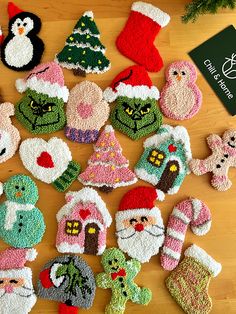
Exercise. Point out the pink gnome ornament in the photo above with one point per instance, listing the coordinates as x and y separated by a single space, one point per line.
9 135
223 156
16 288
191 212
82 223
107 167
180 97
86 112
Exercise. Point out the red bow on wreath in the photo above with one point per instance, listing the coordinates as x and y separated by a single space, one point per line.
120 273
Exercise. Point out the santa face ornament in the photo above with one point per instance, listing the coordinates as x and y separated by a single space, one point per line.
136 117
40 113
139 225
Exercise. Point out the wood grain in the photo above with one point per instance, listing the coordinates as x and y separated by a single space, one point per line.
174 42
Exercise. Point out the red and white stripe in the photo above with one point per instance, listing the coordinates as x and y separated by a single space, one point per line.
191 212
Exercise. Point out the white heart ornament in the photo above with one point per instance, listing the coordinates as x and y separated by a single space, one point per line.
45 160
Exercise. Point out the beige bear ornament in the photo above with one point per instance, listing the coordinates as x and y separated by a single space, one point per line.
9 135
86 113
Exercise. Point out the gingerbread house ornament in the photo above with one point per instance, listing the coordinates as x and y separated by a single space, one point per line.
83 223
164 162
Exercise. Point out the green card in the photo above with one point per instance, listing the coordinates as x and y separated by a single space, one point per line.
216 59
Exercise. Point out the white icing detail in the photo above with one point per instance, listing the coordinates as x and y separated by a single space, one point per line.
88 13
31 149
44 87
85 195
11 209
202 230
89 69
128 213
197 206
178 133
57 281
19 51
142 91
179 214
206 260
175 234
65 247
80 45
152 12
114 185
167 251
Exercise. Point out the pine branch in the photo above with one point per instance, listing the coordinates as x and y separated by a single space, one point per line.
198 7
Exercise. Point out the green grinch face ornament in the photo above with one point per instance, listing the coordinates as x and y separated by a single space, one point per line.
41 109
136 113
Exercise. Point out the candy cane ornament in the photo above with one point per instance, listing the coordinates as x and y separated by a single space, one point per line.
191 212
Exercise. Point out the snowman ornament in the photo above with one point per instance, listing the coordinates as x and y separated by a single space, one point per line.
22 49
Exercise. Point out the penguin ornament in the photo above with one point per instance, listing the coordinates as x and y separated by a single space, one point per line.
22 49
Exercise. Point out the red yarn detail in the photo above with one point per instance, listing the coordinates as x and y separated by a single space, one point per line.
140 197
67 309
44 277
84 213
45 160
136 41
172 148
13 10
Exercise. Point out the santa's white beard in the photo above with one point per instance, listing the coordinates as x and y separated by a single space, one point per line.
141 245
20 301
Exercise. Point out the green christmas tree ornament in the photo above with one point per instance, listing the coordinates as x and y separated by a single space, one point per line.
83 51
136 112
41 109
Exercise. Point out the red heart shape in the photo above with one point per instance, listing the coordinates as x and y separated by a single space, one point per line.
84 213
172 148
45 160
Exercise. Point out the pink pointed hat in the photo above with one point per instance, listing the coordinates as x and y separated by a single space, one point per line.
46 78
16 258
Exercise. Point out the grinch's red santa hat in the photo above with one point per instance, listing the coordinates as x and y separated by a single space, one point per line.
46 78
13 262
133 82
139 202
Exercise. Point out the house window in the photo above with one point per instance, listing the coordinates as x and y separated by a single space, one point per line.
73 227
156 157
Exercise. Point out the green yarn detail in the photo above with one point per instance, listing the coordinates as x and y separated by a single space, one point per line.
69 175
83 58
40 113
21 225
85 39
87 24
136 117
188 285
118 276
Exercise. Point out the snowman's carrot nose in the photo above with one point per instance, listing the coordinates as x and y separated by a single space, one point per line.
18 194
21 30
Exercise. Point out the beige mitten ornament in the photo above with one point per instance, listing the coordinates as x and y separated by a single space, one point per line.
188 283
86 113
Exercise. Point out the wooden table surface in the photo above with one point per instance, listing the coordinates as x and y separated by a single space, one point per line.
174 42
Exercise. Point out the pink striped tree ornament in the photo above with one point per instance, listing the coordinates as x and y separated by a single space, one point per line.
191 212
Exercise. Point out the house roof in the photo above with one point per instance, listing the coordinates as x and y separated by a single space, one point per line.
84 195
178 133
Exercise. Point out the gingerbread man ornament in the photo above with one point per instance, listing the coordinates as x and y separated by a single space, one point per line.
118 276
223 156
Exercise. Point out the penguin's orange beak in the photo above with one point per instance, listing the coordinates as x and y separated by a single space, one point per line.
21 30
18 194
179 77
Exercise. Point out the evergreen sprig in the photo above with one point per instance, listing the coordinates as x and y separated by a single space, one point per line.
198 7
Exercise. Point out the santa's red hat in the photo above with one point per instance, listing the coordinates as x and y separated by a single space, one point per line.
13 10
140 202
133 82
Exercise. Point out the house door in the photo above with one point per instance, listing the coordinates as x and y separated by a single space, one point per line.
169 175
91 238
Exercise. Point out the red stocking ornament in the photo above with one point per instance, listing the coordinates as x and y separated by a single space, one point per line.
136 39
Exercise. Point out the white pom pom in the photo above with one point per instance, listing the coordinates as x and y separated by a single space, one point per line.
109 95
1 188
21 85
31 255
89 14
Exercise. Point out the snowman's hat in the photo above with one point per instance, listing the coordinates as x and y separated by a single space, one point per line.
13 10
